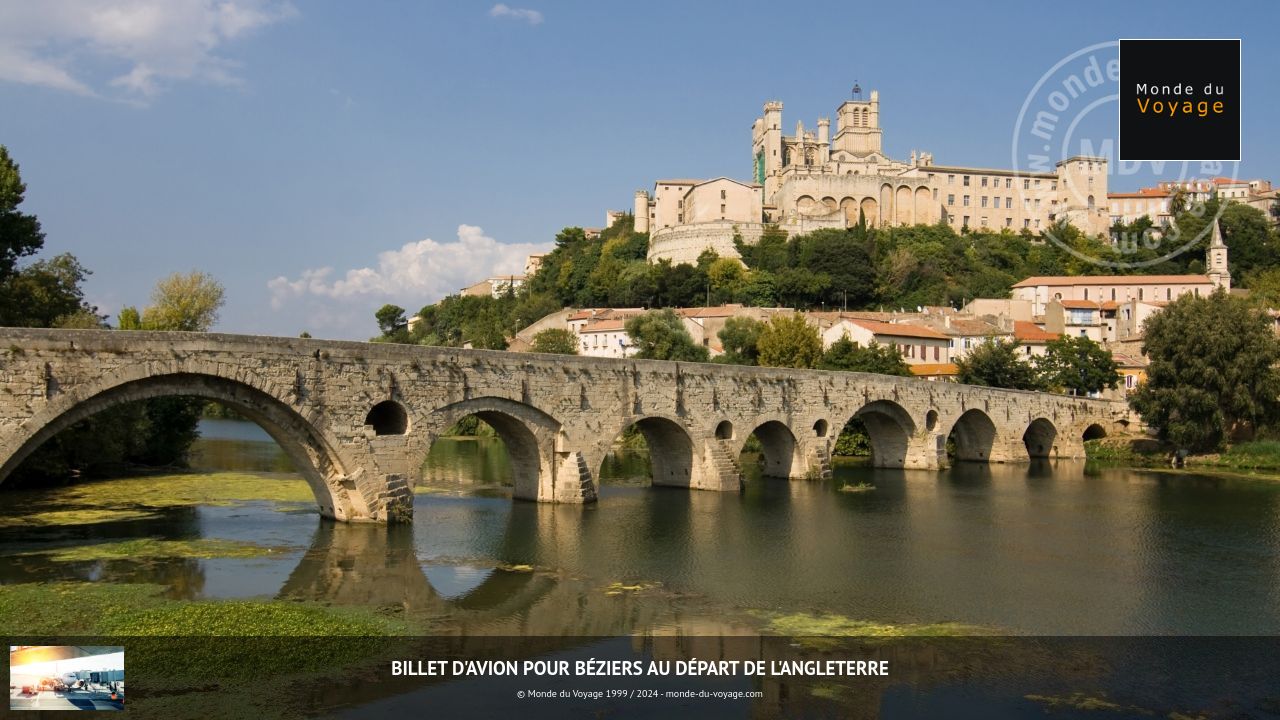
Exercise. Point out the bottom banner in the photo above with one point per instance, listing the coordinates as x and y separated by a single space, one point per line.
651 676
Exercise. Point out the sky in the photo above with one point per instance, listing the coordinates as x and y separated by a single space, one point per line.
324 158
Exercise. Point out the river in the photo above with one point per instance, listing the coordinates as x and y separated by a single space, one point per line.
1047 549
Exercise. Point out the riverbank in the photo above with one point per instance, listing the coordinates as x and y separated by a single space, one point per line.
1257 458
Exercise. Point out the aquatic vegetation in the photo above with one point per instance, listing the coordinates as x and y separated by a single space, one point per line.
152 548
136 498
137 610
617 588
831 625
1084 701
857 487
78 516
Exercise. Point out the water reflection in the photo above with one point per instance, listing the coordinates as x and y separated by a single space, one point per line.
1051 548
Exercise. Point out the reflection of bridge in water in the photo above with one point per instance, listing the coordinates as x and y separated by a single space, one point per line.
357 419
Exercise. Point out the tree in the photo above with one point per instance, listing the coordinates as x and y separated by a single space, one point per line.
20 234
1212 374
739 338
129 318
660 335
996 363
390 319
1078 365
556 341
789 341
41 293
184 301
845 354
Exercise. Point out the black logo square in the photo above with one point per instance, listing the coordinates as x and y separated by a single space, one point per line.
1180 100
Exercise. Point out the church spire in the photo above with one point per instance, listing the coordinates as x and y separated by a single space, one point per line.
1216 259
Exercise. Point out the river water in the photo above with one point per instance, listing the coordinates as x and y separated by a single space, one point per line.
1047 549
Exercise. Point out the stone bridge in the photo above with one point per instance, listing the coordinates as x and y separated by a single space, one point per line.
358 419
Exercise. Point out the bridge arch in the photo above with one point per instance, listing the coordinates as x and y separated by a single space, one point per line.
974 434
779 449
528 433
889 428
313 450
671 455
1039 437
1093 431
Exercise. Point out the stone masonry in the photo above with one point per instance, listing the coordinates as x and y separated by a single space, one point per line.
358 419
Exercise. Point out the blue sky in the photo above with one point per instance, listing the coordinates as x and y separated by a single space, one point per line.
410 148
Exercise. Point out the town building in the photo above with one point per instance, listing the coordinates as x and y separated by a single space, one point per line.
811 180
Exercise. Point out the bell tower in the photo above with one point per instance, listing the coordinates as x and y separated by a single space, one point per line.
1216 260
858 126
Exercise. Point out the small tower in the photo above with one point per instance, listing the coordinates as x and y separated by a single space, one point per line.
642 211
1216 259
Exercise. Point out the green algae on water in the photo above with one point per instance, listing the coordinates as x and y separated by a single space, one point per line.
831 625
145 548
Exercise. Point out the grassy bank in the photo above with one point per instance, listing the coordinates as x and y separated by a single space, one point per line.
1255 457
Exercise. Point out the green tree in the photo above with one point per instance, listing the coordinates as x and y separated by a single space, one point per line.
184 301
845 354
1077 365
20 234
1212 374
44 291
390 319
660 335
789 341
556 341
129 318
997 363
739 337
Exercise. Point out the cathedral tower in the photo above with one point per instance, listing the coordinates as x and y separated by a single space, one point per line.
1216 259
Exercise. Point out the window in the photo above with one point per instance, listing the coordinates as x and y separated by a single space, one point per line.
1037 203
1008 222
951 199
1086 293
722 194
1026 184
1113 294
984 201
984 182
935 193
1139 293
984 221
1037 184
966 201
966 181
1008 183
966 221
1130 382
1053 185
951 179
937 353
1026 223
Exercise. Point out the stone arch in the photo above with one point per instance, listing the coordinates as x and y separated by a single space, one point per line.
1040 437
388 418
528 433
341 489
780 449
890 427
671 456
902 205
1093 431
849 207
921 212
724 430
806 205
974 435
820 428
830 204
886 204
869 209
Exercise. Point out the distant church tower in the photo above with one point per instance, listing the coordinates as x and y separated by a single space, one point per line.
1216 260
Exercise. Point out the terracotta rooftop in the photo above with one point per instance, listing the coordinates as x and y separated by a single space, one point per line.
1030 332
1081 304
897 329
1070 280
935 369
603 326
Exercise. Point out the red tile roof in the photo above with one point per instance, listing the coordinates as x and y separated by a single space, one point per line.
1031 333
935 369
897 329
1070 280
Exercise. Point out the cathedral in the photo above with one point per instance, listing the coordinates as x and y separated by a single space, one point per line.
808 181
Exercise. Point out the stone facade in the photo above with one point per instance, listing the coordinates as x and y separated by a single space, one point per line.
358 419
806 181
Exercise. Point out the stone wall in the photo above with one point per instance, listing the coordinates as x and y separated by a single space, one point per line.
559 416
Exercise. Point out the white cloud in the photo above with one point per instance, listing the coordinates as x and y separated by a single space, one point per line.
135 46
533 17
416 274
